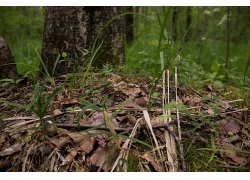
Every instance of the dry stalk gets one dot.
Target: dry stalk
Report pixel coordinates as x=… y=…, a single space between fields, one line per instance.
x=147 y=119
x=26 y=157
x=178 y=124
x=126 y=146
x=169 y=138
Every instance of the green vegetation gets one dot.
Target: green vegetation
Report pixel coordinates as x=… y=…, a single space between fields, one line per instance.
x=22 y=28
x=192 y=38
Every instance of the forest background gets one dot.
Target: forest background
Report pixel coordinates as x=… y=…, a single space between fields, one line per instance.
x=211 y=41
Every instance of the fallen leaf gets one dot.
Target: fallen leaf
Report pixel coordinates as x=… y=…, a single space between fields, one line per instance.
x=87 y=144
x=141 y=102
x=229 y=125
x=70 y=102
x=2 y=138
x=57 y=112
x=65 y=164
x=4 y=165
x=109 y=162
x=151 y=160
x=238 y=158
x=98 y=157
x=98 y=119
x=78 y=137
x=59 y=141
x=12 y=149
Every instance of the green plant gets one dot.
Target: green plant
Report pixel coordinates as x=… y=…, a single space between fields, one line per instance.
x=39 y=104
x=154 y=99
x=8 y=81
x=107 y=123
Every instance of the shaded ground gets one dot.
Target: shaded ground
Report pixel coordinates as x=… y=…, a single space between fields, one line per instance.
x=215 y=128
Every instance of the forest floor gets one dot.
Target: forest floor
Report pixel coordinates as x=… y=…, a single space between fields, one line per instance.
x=215 y=128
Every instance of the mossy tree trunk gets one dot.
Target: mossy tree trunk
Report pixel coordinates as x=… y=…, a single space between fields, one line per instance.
x=73 y=29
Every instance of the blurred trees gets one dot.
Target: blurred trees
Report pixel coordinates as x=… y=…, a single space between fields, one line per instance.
x=201 y=32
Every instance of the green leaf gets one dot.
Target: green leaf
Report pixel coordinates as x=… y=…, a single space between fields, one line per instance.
x=215 y=66
x=205 y=98
x=217 y=111
x=8 y=80
x=212 y=75
x=118 y=110
x=55 y=92
x=15 y=104
x=64 y=54
x=218 y=84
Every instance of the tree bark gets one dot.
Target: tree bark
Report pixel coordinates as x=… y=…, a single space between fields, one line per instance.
x=73 y=29
x=174 y=22
x=188 y=23
x=7 y=62
x=129 y=25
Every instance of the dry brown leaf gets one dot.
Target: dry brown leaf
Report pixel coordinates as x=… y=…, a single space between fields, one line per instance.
x=59 y=141
x=131 y=104
x=151 y=160
x=2 y=138
x=210 y=111
x=98 y=119
x=82 y=141
x=4 y=165
x=131 y=91
x=99 y=156
x=57 y=112
x=109 y=162
x=78 y=137
x=87 y=144
x=65 y=165
x=122 y=118
x=238 y=158
x=229 y=125
x=226 y=105
x=70 y=102
x=114 y=78
x=12 y=149
x=141 y=102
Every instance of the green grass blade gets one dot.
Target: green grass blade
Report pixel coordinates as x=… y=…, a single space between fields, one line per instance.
x=44 y=67
x=52 y=96
x=247 y=59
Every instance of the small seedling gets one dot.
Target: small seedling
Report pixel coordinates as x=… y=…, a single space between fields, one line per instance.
x=39 y=104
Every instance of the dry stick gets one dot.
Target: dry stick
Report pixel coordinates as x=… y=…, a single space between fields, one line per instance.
x=166 y=126
x=178 y=125
x=26 y=157
x=124 y=152
x=168 y=139
x=172 y=141
x=147 y=119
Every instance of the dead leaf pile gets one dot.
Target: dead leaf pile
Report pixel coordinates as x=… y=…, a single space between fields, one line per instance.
x=67 y=146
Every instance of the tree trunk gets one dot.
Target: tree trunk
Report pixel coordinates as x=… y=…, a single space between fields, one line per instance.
x=188 y=24
x=129 y=25
x=73 y=29
x=7 y=62
x=204 y=26
x=174 y=22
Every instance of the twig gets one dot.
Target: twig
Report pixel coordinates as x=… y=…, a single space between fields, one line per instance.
x=26 y=157
x=179 y=127
x=105 y=128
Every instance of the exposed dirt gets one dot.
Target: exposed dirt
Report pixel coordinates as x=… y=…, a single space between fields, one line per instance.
x=206 y=120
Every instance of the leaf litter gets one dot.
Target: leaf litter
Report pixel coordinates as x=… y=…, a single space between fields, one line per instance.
x=67 y=145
